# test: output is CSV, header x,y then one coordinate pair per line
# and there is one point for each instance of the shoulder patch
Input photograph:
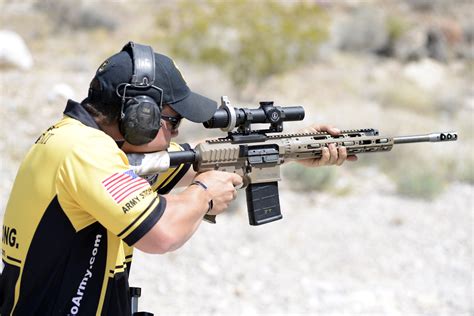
x,y
121,184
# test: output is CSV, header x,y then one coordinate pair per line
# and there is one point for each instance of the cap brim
x,y
195,108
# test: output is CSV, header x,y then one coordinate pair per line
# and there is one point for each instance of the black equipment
x,y
135,293
140,114
228,118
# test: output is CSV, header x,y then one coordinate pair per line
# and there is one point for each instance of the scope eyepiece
x,y
227,117
220,119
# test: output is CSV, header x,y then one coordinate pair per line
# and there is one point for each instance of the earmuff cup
x,y
141,120
140,114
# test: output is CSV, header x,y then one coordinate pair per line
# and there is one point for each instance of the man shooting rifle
x,y
77,208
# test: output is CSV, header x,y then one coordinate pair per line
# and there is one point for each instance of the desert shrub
x,y
248,40
71,15
396,27
428,5
418,173
310,179
406,94
468,70
425,183
364,30
463,169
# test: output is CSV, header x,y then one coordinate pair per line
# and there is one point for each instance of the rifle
x,y
257,156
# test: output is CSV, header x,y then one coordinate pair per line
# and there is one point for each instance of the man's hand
x,y
331,155
221,188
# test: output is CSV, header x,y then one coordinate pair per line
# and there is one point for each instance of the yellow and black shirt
x,y
74,212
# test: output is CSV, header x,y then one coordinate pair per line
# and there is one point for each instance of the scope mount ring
x,y
225,104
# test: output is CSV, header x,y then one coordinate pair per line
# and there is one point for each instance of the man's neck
x,y
111,129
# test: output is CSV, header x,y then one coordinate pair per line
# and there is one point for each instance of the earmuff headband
x,y
143,64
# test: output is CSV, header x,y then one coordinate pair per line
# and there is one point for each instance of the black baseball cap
x,y
118,69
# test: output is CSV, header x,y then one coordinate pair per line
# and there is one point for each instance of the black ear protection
x,y
140,115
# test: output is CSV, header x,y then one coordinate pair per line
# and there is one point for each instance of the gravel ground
x,y
363,254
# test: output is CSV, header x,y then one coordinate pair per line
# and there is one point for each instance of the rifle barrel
x,y
433,137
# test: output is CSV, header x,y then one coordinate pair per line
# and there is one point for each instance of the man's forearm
x,y
181,218
185,213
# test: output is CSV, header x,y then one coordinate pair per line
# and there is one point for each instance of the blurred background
x,y
391,234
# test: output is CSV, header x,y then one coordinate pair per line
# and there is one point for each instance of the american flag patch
x,y
122,184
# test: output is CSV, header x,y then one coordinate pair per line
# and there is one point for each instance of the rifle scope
x,y
227,117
